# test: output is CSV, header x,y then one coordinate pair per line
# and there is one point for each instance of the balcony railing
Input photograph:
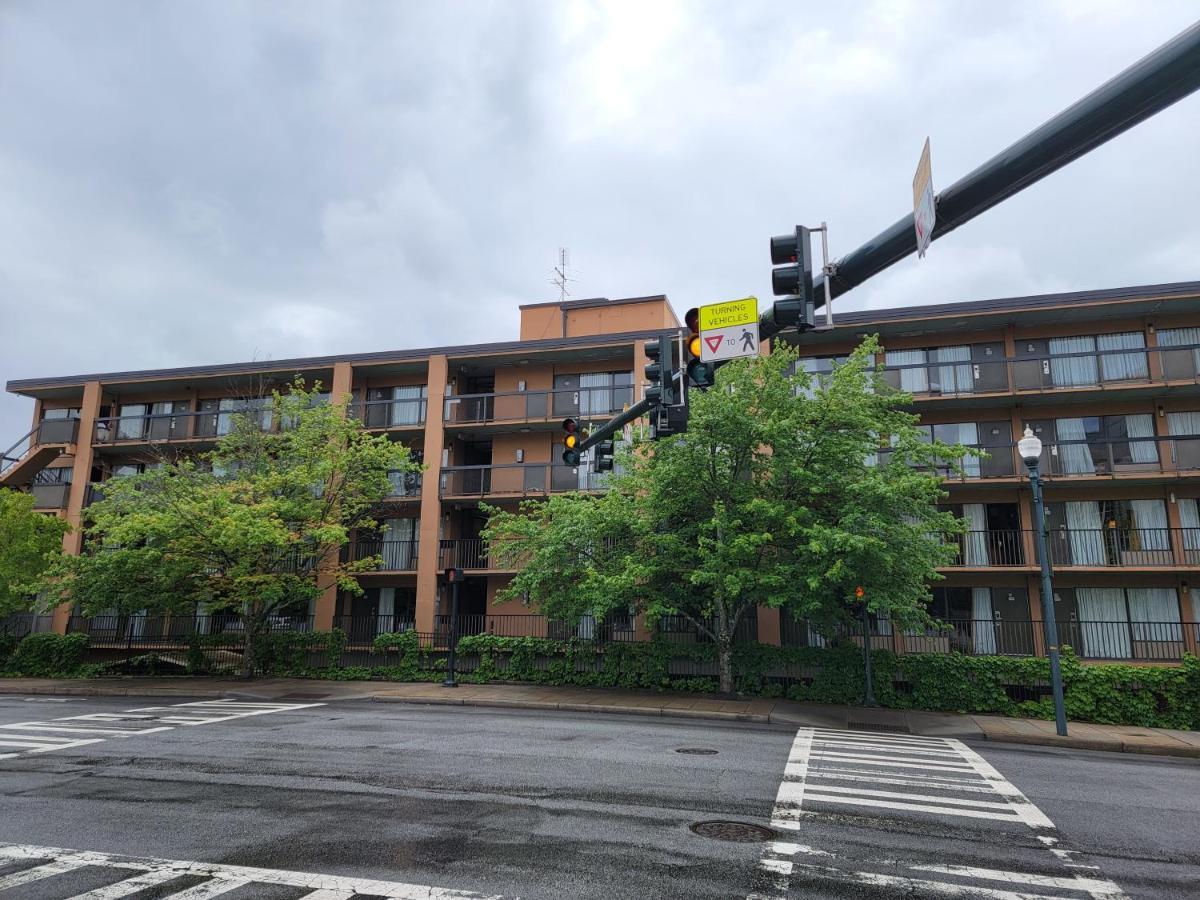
x,y
395,556
50,496
472,553
517,480
536,406
364,629
1048,372
1002,547
616,627
154,427
405,485
1116,547
410,413
149,630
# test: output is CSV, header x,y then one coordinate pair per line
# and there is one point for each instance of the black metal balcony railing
x,y
536,405
616,627
1116,547
395,556
517,480
1003,547
364,629
1048,372
405,485
408,413
165,629
155,427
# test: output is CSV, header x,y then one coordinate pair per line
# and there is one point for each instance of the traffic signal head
x,y
700,374
660,371
792,254
572,438
604,456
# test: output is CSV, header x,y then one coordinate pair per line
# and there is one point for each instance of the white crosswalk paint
x,y
22,738
901,774
221,879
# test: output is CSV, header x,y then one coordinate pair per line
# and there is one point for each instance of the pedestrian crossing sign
x,y
729,330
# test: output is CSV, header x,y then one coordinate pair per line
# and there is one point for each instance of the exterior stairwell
x,y
51,439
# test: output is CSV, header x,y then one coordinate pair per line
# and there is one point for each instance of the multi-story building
x,y
1110,381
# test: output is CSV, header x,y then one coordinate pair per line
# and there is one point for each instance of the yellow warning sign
x,y
729,313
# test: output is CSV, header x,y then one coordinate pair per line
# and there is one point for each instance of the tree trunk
x,y
724,652
251,626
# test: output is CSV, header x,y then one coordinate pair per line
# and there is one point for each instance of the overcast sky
x,y
185,183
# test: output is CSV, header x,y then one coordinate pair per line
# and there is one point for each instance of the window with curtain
x,y
1085,533
1184,427
1181,337
1189,519
595,393
131,422
1078,369
983,622
953,379
965,433
1122,356
914,380
1074,454
1150,525
818,369
1103,623
1154,613
407,408
975,542
1141,426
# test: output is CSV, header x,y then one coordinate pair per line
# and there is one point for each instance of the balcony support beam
x,y
81,477
429,547
326,605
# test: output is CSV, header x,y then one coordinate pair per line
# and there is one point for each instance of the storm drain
x,y
737,832
879,726
697,751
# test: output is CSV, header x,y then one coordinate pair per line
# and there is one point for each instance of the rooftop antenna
x,y
561,279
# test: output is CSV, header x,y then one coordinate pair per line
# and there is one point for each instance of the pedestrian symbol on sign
x,y
747,340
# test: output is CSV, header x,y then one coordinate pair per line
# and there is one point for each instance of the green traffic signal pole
x,y
1150,85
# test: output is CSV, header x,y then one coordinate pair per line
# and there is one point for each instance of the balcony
x,y
50,496
153,428
405,486
1080,548
395,556
472,553
517,480
542,406
41,446
392,414
1046,372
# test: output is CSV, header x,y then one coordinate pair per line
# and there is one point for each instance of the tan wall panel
x,y
540,322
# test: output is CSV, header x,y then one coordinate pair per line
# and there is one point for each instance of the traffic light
x,y
572,438
604,456
660,371
700,374
792,278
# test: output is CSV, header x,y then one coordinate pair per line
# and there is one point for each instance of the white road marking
x,y
223,879
149,879
59,734
861,767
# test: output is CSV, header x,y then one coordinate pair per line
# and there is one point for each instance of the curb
x,y
653,711
1183,751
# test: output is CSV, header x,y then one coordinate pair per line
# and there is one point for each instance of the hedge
x,y
1155,696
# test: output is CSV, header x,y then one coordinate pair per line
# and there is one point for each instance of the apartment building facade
x,y
1109,379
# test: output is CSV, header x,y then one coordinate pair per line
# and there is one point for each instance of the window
x,y
62,475
1121,623
50,415
818,368
960,369
1181,359
1092,445
592,393
1085,360
396,406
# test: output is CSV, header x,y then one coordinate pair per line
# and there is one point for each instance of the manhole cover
x,y
879,726
697,751
738,832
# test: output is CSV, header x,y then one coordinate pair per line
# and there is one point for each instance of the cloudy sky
x,y
184,183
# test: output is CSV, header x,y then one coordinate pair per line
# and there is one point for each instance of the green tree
x,y
252,527
30,542
784,492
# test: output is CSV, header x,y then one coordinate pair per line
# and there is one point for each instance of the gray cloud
x,y
190,183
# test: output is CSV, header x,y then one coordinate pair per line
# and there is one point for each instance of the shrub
x,y
49,655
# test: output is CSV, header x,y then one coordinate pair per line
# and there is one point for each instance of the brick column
x,y
81,475
326,605
429,548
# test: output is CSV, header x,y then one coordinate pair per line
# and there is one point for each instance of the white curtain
x,y
1085,532
406,405
1116,366
1184,451
132,421
1150,524
983,622
1103,623
1071,370
954,379
1183,423
1074,458
1189,518
387,611
815,639
1141,426
399,536
975,544
915,380
595,393
1155,614
1182,337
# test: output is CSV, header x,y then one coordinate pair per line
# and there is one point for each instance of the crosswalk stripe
x,y
856,745
899,795
902,762
814,795
213,888
971,787
920,887
1092,886
129,886
883,737
37,873
326,894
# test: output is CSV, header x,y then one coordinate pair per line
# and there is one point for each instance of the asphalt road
x,y
177,801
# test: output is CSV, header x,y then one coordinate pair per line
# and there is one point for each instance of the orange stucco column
x,y
429,548
326,605
81,476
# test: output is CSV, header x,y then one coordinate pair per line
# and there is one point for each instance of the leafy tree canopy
x,y
29,543
786,491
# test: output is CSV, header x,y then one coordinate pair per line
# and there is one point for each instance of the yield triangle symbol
x,y
714,342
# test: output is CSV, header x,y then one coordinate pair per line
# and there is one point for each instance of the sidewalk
x,y
1117,738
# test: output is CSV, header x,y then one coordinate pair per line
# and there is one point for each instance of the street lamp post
x,y
1030,448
